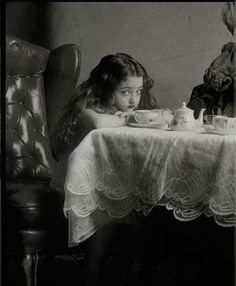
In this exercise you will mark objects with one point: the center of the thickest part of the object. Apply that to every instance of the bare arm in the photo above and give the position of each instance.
(93, 120)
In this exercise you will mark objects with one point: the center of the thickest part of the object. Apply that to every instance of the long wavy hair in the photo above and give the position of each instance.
(96, 93)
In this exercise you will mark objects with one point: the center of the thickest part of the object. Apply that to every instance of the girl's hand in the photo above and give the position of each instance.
(120, 114)
(125, 114)
(129, 116)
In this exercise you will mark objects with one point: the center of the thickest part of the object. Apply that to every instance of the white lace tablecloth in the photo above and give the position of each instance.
(114, 171)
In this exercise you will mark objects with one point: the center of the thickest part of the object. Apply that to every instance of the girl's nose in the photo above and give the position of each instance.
(131, 99)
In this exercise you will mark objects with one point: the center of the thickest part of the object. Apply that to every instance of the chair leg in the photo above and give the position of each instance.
(30, 264)
(34, 242)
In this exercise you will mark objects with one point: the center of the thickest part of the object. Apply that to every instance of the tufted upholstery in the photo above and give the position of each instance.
(27, 147)
(35, 78)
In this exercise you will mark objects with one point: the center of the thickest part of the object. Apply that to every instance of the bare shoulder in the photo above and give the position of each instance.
(87, 112)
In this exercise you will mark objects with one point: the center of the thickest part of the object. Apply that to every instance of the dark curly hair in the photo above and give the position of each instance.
(96, 93)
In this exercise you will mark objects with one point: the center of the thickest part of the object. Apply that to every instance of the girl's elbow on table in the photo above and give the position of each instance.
(106, 120)
(96, 120)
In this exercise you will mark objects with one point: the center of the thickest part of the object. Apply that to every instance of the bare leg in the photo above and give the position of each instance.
(97, 253)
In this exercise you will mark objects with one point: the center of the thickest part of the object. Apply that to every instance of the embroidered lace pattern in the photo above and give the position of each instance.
(115, 171)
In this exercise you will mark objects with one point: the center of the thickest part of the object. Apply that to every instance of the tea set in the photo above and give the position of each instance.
(155, 118)
(182, 119)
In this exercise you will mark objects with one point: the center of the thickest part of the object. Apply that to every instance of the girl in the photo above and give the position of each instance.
(116, 86)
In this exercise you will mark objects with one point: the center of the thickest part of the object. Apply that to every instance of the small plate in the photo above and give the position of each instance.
(213, 130)
(148, 125)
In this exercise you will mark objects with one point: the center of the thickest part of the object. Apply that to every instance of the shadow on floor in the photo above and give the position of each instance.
(162, 252)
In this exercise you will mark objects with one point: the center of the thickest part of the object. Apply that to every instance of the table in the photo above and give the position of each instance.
(115, 171)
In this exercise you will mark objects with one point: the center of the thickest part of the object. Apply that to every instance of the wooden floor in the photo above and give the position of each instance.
(161, 252)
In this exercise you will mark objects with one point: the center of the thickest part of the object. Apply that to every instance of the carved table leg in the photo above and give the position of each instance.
(30, 263)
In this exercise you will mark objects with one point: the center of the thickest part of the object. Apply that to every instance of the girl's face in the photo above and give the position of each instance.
(127, 95)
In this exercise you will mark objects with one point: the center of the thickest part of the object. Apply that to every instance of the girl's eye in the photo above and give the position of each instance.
(124, 92)
(139, 91)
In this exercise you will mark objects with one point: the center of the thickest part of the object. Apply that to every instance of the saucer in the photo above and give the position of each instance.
(213, 130)
(149, 125)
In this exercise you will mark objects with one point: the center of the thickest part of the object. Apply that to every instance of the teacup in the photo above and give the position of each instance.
(224, 122)
(158, 116)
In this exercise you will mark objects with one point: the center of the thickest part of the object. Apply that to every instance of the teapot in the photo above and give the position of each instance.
(184, 120)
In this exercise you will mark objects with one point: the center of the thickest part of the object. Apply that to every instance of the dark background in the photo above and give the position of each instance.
(175, 41)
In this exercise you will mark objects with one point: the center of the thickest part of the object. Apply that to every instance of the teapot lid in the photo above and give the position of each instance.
(185, 108)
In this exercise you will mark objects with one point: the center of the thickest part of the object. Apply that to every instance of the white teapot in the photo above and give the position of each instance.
(184, 120)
